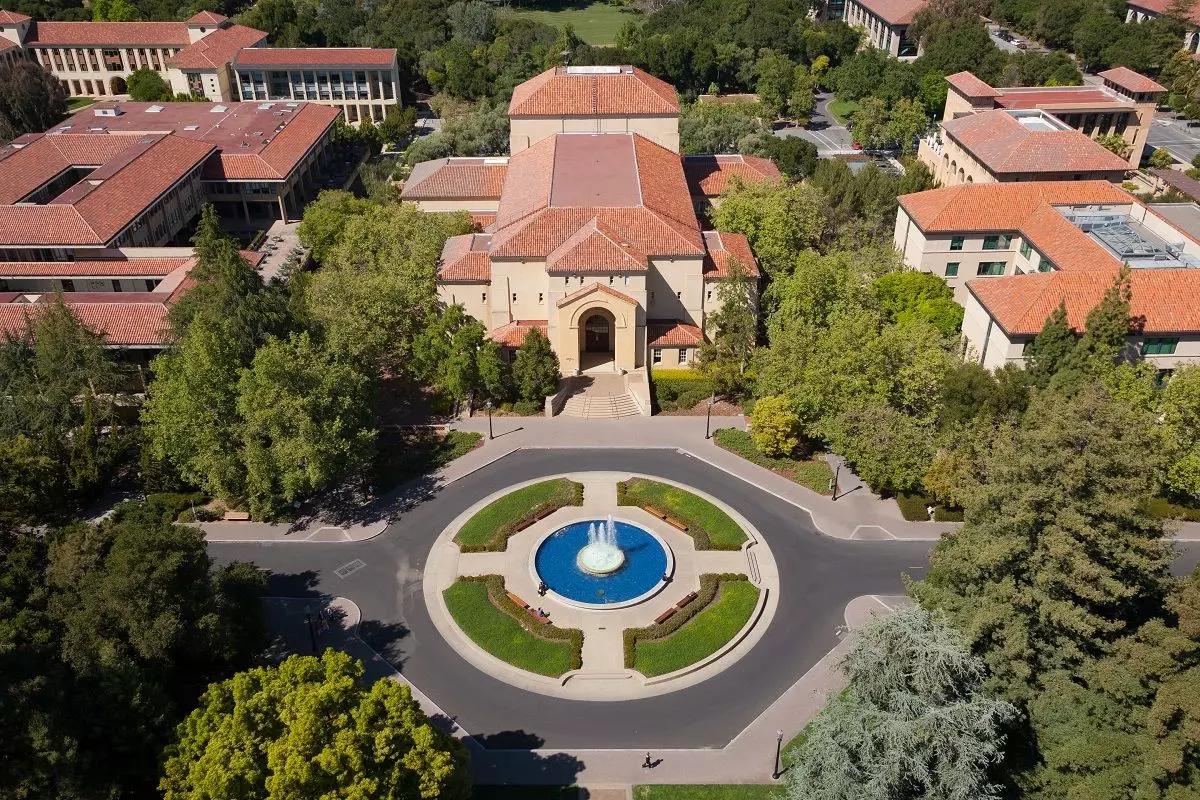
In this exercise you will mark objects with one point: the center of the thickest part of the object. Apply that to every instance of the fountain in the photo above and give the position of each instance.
(601, 555)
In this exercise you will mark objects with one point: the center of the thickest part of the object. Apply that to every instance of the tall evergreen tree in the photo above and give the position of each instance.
(535, 370)
(1049, 350)
(733, 331)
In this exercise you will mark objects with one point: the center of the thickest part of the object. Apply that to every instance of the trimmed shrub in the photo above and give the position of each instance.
(528, 408)
(558, 493)
(498, 594)
(705, 521)
(709, 584)
(688, 399)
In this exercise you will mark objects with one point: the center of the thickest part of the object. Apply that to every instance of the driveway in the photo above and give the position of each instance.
(830, 136)
(1173, 134)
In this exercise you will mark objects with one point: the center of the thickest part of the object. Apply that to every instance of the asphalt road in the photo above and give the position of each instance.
(823, 130)
(1181, 141)
(819, 576)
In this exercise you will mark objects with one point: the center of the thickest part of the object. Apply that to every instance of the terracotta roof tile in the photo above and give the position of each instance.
(708, 176)
(573, 92)
(1006, 146)
(969, 85)
(115, 34)
(595, 248)
(122, 324)
(217, 48)
(483, 220)
(12, 17)
(1131, 81)
(672, 333)
(897, 12)
(465, 259)
(1000, 207)
(93, 267)
(204, 17)
(513, 334)
(456, 178)
(1163, 300)
(315, 57)
(721, 247)
(594, 287)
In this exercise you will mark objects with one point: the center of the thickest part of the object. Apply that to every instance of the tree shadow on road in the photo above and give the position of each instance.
(513, 757)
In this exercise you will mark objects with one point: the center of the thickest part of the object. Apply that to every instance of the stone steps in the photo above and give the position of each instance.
(600, 406)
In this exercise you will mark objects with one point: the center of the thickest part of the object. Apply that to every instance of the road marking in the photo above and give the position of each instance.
(348, 569)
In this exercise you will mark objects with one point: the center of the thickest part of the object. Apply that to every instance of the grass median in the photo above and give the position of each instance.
(711, 527)
(811, 473)
(661, 649)
(476, 608)
(595, 23)
(489, 529)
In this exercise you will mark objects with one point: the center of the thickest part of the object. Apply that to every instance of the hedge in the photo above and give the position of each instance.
(811, 473)
(669, 386)
(498, 596)
(913, 507)
(488, 530)
(710, 585)
(709, 526)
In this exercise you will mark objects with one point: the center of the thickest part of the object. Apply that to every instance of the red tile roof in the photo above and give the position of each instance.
(204, 17)
(1131, 81)
(1163, 300)
(456, 179)
(110, 34)
(721, 247)
(513, 334)
(594, 287)
(897, 12)
(1162, 6)
(34, 159)
(94, 268)
(315, 57)
(595, 248)
(644, 202)
(593, 91)
(465, 259)
(672, 333)
(5, 44)
(12, 17)
(1061, 97)
(708, 176)
(134, 320)
(1001, 207)
(969, 85)
(217, 48)
(1006, 146)
(483, 219)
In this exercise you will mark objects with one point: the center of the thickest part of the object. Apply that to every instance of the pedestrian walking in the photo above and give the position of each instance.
(647, 764)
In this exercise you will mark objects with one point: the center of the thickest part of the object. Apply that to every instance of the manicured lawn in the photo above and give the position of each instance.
(812, 473)
(842, 109)
(745, 791)
(404, 454)
(76, 103)
(500, 634)
(712, 528)
(703, 635)
(491, 526)
(595, 23)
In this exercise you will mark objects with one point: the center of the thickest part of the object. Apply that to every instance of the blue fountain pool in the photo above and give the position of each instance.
(646, 561)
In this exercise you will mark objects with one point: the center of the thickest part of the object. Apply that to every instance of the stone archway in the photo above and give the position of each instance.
(597, 339)
(117, 85)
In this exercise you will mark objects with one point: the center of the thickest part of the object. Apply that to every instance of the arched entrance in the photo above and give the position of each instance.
(117, 85)
(597, 340)
(597, 334)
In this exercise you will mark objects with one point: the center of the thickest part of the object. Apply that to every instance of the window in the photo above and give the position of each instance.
(956, 243)
(952, 269)
(683, 355)
(1159, 347)
(679, 295)
(1045, 266)
(483, 297)
(612, 279)
(68, 285)
(116, 286)
(708, 295)
(539, 297)
(656, 355)
(990, 268)
(998, 242)
(514, 297)
(1026, 249)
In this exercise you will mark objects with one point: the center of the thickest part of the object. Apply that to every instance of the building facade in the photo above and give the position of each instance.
(885, 23)
(1145, 10)
(363, 82)
(589, 232)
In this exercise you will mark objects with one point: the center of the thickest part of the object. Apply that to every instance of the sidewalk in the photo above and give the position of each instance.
(856, 514)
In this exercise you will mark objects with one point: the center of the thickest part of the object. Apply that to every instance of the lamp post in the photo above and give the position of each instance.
(778, 749)
(708, 417)
(837, 473)
(489, 410)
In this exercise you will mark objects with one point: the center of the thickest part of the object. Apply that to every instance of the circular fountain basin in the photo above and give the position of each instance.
(590, 575)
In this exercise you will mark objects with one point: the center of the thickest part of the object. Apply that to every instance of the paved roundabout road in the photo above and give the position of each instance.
(818, 576)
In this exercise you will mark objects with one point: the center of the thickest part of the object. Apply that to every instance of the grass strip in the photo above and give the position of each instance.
(813, 474)
(721, 611)
(711, 527)
(489, 529)
(483, 611)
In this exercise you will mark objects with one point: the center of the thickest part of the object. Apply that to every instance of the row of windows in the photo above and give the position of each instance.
(1159, 346)
(984, 268)
(656, 355)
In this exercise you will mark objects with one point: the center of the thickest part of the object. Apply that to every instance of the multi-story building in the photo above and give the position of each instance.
(885, 23)
(1014, 252)
(361, 81)
(1144, 10)
(135, 174)
(198, 57)
(1123, 104)
(1012, 145)
(590, 236)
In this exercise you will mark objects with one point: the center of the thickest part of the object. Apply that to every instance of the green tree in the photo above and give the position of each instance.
(774, 426)
(325, 219)
(147, 86)
(473, 21)
(912, 294)
(870, 123)
(914, 720)
(307, 422)
(398, 126)
(888, 449)
(535, 370)
(310, 728)
(779, 219)
(1115, 143)
(802, 100)
(31, 100)
(1106, 330)
(1181, 425)
(907, 121)
(776, 76)
(1161, 158)
(733, 331)
(115, 11)
(1058, 557)
(1050, 349)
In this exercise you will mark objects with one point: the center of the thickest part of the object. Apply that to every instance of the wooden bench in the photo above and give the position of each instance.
(544, 620)
(525, 524)
(654, 512)
(664, 616)
(674, 523)
(687, 598)
(545, 512)
(236, 516)
(520, 603)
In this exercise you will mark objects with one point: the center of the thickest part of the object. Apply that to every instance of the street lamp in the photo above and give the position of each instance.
(837, 473)
(489, 410)
(778, 749)
(708, 417)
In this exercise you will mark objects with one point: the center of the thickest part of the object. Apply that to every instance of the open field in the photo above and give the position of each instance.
(595, 23)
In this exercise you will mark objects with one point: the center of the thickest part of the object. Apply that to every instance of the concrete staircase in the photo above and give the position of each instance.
(600, 406)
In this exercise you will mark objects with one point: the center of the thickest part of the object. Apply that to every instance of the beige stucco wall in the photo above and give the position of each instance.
(628, 336)
(932, 253)
(525, 131)
(467, 204)
(215, 82)
(473, 297)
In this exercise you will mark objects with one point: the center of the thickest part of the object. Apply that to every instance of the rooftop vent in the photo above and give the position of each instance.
(218, 109)
(264, 106)
(114, 111)
(595, 70)
(154, 109)
(65, 128)
(495, 161)
(191, 127)
(292, 105)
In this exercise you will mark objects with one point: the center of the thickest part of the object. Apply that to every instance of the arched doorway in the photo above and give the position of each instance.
(597, 334)
(117, 85)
